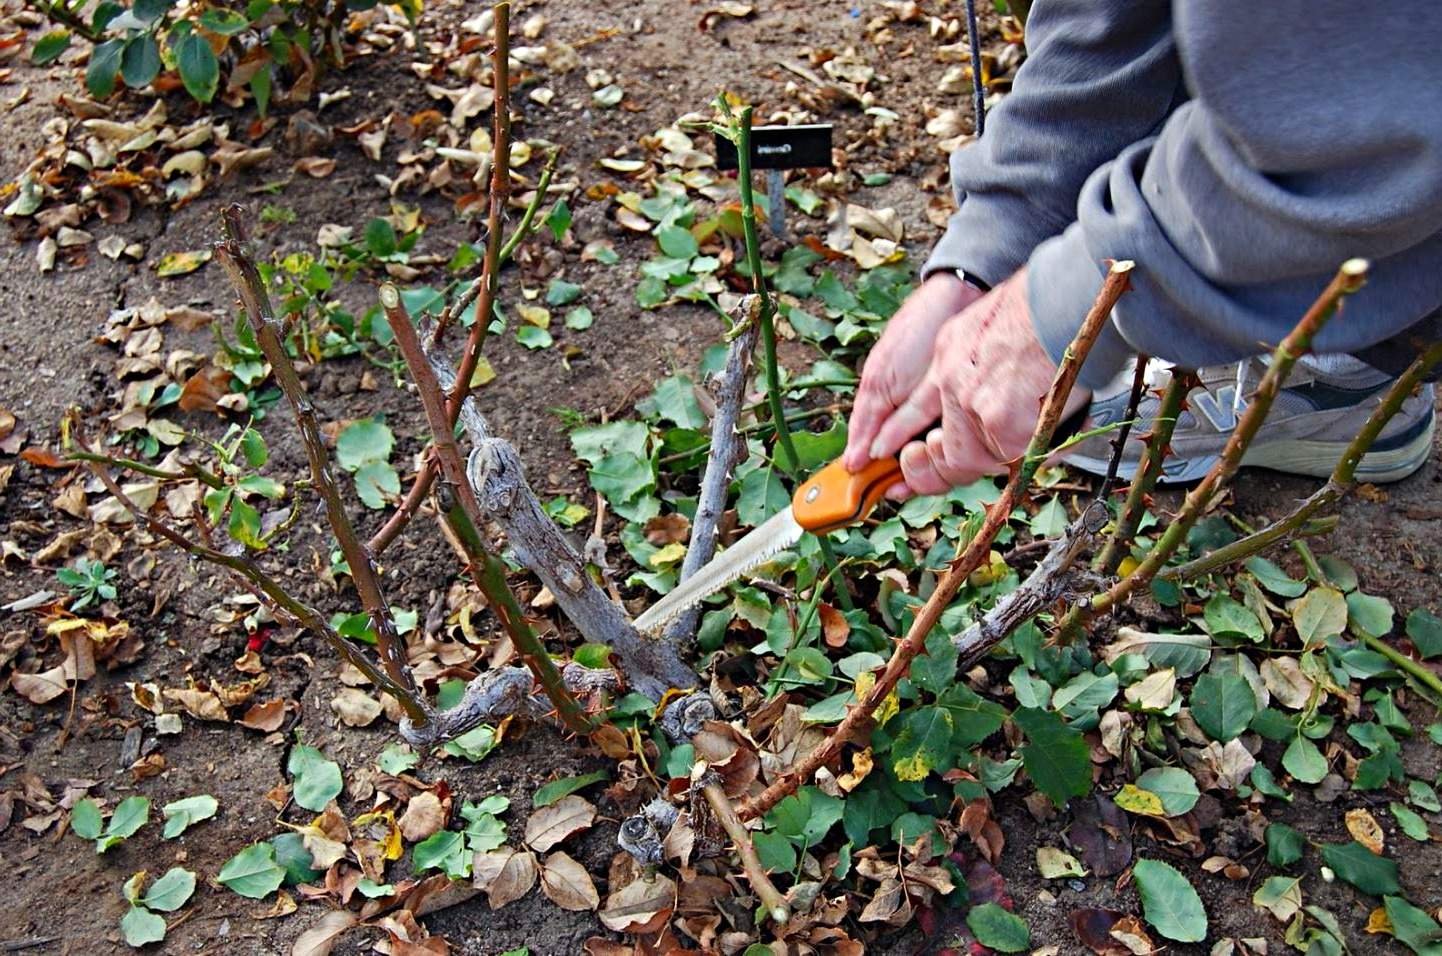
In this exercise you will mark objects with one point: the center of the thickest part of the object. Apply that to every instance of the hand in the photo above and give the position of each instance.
(986, 382)
(898, 361)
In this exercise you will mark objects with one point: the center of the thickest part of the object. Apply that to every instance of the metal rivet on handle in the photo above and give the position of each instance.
(813, 494)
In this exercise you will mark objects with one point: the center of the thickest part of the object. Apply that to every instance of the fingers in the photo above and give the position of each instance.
(871, 409)
(945, 458)
(909, 419)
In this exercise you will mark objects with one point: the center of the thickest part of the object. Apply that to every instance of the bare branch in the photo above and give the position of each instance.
(771, 898)
(728, 449)
(1119, 440)
(996, 517)
(235, 258)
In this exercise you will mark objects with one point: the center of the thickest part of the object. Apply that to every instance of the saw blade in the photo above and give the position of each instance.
(776, 534)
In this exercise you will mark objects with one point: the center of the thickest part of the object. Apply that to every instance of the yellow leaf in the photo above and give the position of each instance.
(484, 373)
(1365, 830)
(1128, 565)
(1136, 800)
(181, 263)
(912, 768)
(669, 555)
(867, 680)
(535, 315)
(1378, 924)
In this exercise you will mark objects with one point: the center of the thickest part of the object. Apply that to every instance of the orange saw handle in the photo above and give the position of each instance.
(834, 497)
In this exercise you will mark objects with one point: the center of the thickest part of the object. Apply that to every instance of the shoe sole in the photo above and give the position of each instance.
(1314, 459)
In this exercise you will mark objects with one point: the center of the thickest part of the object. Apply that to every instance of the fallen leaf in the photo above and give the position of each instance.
(504, 874)
(641, 906)
(321, 938)
(1365, 830)
(567, 884)
(566, 817)
(355, 707)
(181, 263)
(267, 717)
(424, 816)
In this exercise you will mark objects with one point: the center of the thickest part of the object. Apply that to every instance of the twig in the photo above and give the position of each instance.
(465, 518)
(1349, 279)
(978, 84)
(485, 287)
(728, 449)
(61, 13)
(280, 600)
(1119, 440)
(969, 560)
(1339, 484)
(139, 467)
(1149, 470)
(528, 218)
(771, 898)
(240, 268)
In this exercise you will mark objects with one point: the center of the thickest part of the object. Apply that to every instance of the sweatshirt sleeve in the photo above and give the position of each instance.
(1100, 75)
(1304, 144)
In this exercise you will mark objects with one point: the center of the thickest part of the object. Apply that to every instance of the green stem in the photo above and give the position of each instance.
(1413, 669)
(140, 467)
(528, 218)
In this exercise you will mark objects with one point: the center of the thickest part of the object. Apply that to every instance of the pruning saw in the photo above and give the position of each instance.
(831, 498)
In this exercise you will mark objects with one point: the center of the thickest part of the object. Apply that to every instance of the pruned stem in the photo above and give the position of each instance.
(465, 519)
(771, 898)
(280, 600)
(1349, 279)
(1149, 470)
(728, 449)
(235, 258)
(969, 560)
(1339, 484)
(486, 285)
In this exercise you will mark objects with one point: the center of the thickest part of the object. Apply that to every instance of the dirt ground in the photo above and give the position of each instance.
(64, 898)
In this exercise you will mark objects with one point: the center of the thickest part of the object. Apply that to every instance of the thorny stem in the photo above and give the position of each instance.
(486, 285)
(742, 130)
(771, 898)
(968, 561)
(276, 595)
(1149, 470)
(60, 13)
(206, 478)
(465, 519)
(1119, 440)
(235, 258)
(1349, 279)
(1339, 484)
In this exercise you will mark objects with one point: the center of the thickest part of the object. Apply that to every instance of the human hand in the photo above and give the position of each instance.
(898, 362)
(986, 382)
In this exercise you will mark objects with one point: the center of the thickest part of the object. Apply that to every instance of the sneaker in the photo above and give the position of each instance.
(1320, 409)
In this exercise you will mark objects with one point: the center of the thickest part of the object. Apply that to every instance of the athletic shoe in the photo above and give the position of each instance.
(1321, 408)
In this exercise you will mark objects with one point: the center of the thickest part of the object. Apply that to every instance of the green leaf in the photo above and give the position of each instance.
(1320, 614)
(1338, 573)
(561, 292)
(140, 927)
(1304, 761)
(1362, 868)
(225, 22)
(317, 781)
(534, 337)
(380, 238)
(244, 525)
(1425, 630)
(182, 814)
(1056, 756)
(129, 816)
(1274, 579)
(998, 928)
(49, 47)
(85, 821)
(1413, 927)
(579, 319)
(171, 891)
(1050, 519)
(1280, 895)
(776, 853)
(362, 442)
(444, 850)
(1222, 704)
(1176, 788)
(677, 242)
(558, 220)
(474, 744)
(252, 447)
(199, 69)
(1169, 902)
(292, 857)
(1284, 844)
(651, 292)
(803, 199)
(253, 872)
(556, 789)
(375, 483)
(806, 816)
(104, 68)
(397, 759)
(674, 400)
(140, 61)
(924, 743)
(1373, 615)
(973, 717)
(1410, 822)
(1227, 617)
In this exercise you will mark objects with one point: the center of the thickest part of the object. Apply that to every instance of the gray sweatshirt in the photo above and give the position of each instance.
(1237, 151)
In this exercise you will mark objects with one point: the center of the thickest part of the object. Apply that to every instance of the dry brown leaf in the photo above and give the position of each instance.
(355, 707)
(835, 628)
(424, 816)
(1365, 830)
(566, 817)
(322, 937)
(267, 717)
(668, 529)
(504, 874)
(641, 906)
(198, 703)
(284, 906)
(567, 884)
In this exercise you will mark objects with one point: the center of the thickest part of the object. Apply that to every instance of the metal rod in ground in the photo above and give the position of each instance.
(776, 207)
